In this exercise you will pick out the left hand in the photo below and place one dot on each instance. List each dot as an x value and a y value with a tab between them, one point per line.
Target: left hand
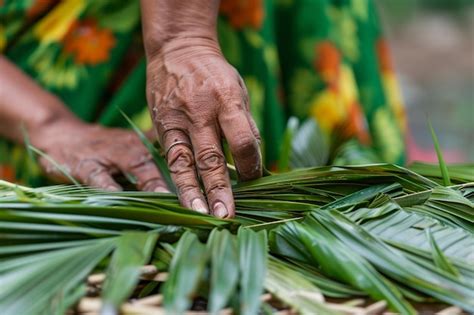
93	155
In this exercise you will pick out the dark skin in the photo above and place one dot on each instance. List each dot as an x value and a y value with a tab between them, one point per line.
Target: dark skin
91	153
196	99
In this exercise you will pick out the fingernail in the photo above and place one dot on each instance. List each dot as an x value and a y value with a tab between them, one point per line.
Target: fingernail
199	206
220	210
161	189
112	188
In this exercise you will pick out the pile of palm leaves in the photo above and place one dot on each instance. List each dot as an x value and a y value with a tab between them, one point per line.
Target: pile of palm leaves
305	238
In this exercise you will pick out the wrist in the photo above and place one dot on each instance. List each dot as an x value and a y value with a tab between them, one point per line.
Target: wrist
186	46
52	116
183	51
52	124
166	23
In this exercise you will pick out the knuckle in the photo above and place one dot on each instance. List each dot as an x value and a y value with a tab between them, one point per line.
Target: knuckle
216	186
143	163
210	159
96	175
47	166
228	92
180	159
245	145
186	188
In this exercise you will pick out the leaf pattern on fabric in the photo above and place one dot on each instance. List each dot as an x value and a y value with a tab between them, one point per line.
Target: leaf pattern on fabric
359	7
302	86
270	55
111	11
53	72
256	96
387	133
229	42
344	31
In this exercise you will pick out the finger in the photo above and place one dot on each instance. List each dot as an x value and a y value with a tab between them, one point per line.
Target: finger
253	127
95	174
145	171
151	134
242	143
212	169
181	164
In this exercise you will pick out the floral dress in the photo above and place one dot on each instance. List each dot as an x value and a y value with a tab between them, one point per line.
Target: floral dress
320	59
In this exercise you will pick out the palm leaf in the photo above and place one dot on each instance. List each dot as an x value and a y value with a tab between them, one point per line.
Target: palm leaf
294	289
337	261
253	260
442	165
439	258
186	270
32	288
458	173
159	160
224	269
323	224
392	262
132	252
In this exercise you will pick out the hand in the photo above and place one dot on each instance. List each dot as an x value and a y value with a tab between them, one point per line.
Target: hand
196	98
93	154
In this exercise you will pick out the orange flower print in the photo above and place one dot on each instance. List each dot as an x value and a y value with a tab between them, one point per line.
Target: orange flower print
39	6
7	173
242	13
356	125
327	62
384	56
88	43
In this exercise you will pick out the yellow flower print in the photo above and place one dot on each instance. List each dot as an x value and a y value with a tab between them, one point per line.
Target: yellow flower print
394	98
55	25
328	110
348	87
3	38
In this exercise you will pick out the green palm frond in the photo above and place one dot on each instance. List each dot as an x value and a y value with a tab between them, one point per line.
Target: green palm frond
378	231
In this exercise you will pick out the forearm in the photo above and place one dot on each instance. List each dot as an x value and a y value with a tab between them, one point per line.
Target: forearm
178	22
25	103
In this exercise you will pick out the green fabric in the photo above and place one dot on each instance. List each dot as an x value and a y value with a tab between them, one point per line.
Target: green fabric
307	58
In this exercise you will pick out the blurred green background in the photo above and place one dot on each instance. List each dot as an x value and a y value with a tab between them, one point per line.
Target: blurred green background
432	43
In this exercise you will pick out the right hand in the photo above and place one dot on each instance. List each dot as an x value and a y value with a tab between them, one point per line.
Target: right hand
196	98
